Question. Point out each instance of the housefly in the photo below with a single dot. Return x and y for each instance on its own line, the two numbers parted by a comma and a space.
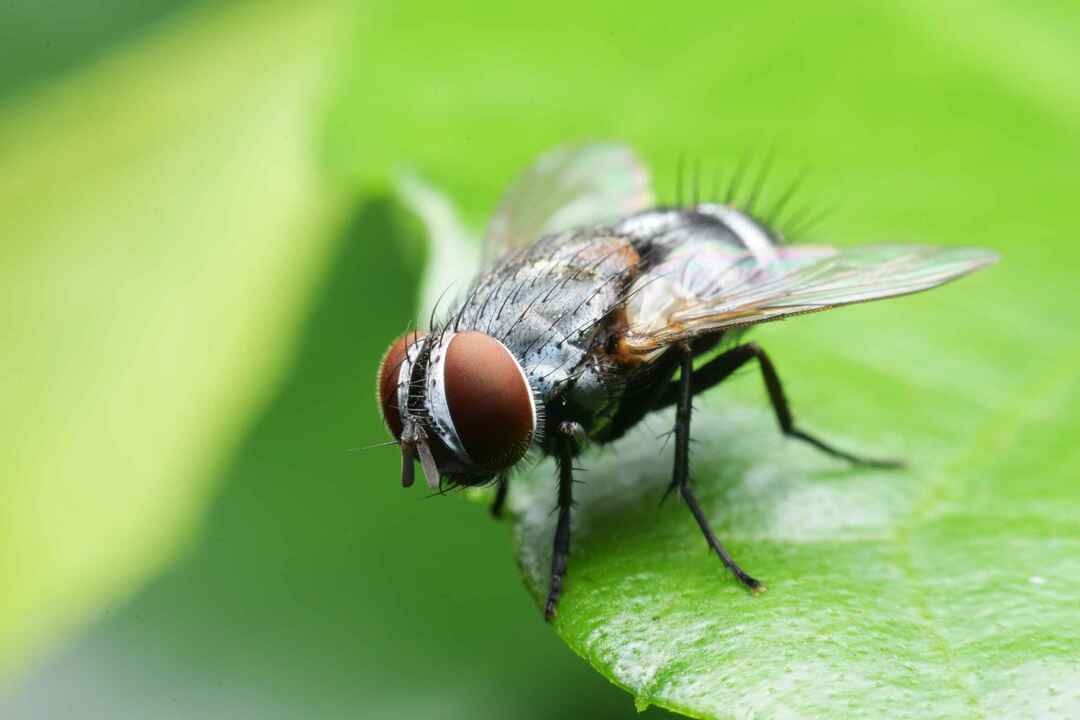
591, 310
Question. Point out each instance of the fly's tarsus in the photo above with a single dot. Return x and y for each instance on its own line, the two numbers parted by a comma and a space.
680, 476
501, 485
567, 448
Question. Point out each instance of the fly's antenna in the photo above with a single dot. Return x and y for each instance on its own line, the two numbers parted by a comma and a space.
388, 443
440, 492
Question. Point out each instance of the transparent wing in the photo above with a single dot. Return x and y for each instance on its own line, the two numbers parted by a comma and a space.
802, 280
565, 188
453, 256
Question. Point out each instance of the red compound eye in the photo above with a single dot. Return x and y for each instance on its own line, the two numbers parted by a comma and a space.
389, 370
489, 399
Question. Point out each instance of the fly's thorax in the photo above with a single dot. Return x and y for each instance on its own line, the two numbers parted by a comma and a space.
549, 305
459, 401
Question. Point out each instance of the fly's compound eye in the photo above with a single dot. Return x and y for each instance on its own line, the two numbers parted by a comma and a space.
389, 372
489, 399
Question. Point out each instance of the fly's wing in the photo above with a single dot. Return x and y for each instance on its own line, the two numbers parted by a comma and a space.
566, 188
452, 248
681, 298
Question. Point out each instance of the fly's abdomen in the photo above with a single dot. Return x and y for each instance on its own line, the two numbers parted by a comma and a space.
692, 256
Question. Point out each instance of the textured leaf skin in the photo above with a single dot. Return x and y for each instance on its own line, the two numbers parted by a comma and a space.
945, 590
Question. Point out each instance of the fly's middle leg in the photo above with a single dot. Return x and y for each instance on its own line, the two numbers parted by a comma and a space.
723, 366
680, 477
567, 445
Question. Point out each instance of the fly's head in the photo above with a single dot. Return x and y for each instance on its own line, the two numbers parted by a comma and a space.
459, 403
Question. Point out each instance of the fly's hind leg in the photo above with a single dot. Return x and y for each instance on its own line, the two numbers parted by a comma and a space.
680, 477
567, 446
722, 366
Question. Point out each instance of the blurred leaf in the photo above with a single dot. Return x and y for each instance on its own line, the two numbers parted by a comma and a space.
163, 219
455, 253
42, 39
317, 587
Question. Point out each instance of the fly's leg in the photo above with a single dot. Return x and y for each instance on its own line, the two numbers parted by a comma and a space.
680, 477
500, 496
567, 446
721, 367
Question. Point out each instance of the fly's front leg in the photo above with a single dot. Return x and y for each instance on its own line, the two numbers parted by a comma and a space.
500, 496
567, 447
722, 366
680, 477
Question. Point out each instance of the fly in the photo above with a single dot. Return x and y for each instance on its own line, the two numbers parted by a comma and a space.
589, 314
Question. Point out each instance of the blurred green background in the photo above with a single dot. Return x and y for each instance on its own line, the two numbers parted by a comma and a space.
201, 260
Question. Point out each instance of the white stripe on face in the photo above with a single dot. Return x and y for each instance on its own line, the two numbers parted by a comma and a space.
405, 375
435, 397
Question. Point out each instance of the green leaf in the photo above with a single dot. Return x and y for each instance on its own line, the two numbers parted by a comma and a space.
164, 217
893, 593
947, 589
